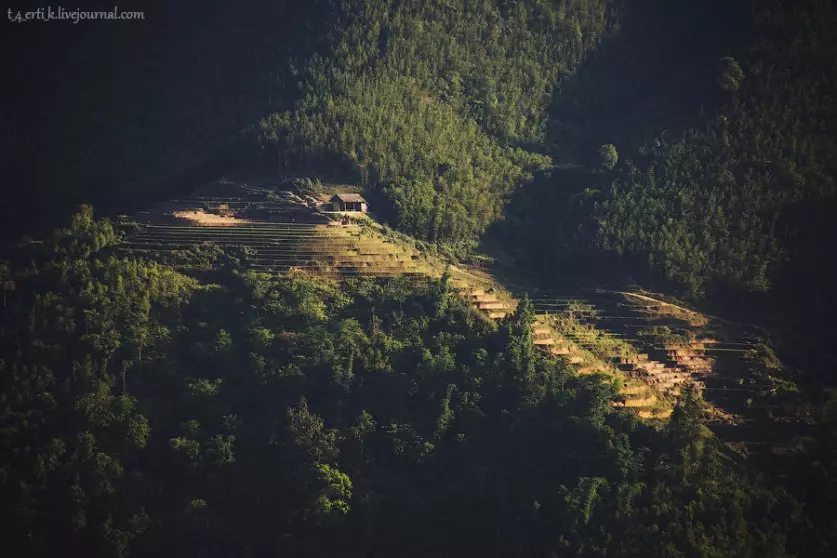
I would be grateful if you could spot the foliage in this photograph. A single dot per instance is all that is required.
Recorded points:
(425, 104)
(608, 156)
(146, 413)
(727, 205)
(731, 74)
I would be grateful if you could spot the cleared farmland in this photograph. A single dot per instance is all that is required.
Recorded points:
(333, 249)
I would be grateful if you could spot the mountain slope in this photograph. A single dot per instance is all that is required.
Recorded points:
(228, 411)
(650, 348)
(429, 106)
(718, 186)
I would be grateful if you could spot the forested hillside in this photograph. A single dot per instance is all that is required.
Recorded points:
(690, 144)
(717, 185)
(439, 108)
(149, 413)
(716, 204)
(162, 400)
(719, 204)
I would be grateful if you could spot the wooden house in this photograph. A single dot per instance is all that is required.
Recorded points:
(349, 202)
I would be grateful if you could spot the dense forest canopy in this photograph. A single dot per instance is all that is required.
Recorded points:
(733, 200)
(714, 205)
(444, 132)
(438, 107)
(148, 407)
(718, 203)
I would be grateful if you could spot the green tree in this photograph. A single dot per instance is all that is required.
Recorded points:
(334, 492)
(608, 157)
(731, 74)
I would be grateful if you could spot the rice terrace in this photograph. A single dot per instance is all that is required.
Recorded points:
(651, 349)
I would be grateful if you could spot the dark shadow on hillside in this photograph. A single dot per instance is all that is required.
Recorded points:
(808, 290)
(658, 73)
(120, 116)
(547, 234)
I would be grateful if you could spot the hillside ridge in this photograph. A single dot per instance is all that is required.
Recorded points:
(651, 349)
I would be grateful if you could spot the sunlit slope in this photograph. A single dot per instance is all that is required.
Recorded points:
(649, 348)
(337, 250)
(273, 231)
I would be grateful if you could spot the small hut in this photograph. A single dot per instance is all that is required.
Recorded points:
(349, 202)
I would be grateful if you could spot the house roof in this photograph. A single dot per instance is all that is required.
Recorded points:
(350, 198)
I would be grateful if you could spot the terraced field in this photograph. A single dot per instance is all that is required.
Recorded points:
(659, 349)
(653, 350)
(588, 349)
(277, 232)
(650, 348)
(329, 249)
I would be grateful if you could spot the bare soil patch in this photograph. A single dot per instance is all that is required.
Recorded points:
(211, 219)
